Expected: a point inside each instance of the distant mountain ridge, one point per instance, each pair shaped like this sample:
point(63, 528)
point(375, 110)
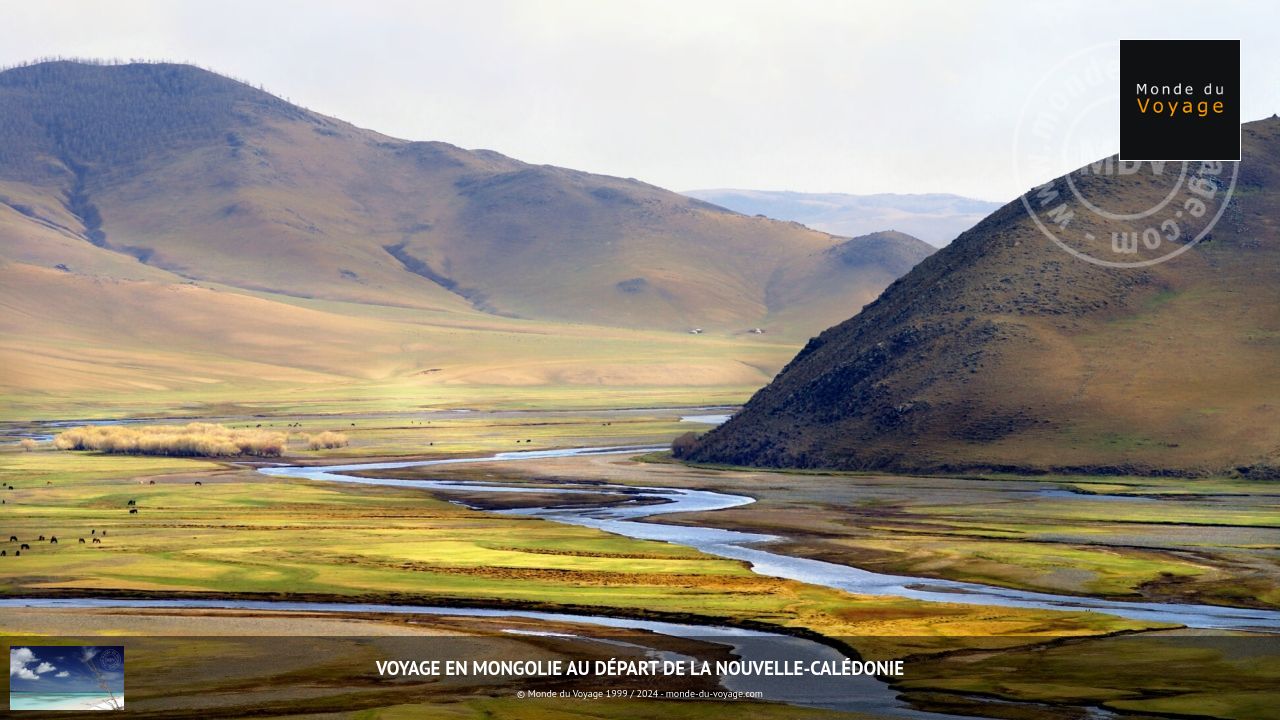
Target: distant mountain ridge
point(936, 218)
point(1004, 352)
point(205, 178)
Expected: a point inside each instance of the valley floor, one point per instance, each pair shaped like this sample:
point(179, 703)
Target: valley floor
point(243, 534)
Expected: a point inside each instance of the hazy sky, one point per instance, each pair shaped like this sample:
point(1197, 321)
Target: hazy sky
point(812, 96)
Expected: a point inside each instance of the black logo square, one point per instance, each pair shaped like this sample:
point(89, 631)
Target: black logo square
point(1179, 99)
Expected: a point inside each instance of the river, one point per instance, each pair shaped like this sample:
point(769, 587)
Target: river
point(865, 694)
point(626, 519)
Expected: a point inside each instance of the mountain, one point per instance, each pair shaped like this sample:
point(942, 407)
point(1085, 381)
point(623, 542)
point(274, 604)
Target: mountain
point(935, 218)
point(169, 172)
point(855, 271)
point(1004, 352)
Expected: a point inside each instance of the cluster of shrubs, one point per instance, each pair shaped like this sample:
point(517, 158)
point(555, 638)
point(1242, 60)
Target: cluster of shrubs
point(682, 446)
point(191, 440)
point(326, 441)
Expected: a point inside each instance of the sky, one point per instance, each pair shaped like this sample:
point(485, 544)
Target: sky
point(813, 96)
point(62, 669)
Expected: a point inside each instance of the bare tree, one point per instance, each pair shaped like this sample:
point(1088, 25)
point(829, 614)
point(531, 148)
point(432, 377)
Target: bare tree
point(88, 656)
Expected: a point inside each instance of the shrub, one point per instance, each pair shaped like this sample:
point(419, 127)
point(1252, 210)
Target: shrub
point(27, 444)
point(191, 440)
point(681, 446)
point(326, 441)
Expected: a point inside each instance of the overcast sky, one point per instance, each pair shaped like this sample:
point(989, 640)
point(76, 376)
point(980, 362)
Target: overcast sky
point(810, 96)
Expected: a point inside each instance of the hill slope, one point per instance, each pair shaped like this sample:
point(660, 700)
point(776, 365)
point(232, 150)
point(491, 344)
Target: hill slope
point(172, 172)
point(936, 218)
point(1003, 351)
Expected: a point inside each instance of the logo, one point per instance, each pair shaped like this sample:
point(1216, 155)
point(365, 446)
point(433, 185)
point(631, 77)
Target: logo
point(1180, 99)
point(1113, 212)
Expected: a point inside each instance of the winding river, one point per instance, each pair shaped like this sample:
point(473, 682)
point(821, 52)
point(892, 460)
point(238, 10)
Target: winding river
point(626, 519)
point(635, 520)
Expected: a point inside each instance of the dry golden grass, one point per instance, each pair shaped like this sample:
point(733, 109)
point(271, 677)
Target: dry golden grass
point(191, 440)
point(327, 441)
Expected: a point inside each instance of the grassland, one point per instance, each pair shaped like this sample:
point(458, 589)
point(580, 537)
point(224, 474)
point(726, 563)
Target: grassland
point(1215, 540)
point(1160, 675)
point(302, 664)
point(125, 347)
point(240, 533)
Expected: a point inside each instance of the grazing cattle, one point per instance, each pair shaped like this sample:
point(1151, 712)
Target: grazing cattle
point(81, 541)
point(17, 553)
point(133, 511)
point(24, 546)
point(53, 540)
point(3, 553)
point(104, 533)
point(48, 482)
point(96, 541)
point(13, 538)
point(93, 532)
point(133, 502)
point(10, 487)
point(199, 483)
point(41, 538)
point(152, 482)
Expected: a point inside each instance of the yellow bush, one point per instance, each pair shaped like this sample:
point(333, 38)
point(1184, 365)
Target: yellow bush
point(327, 440)
point(191, 440)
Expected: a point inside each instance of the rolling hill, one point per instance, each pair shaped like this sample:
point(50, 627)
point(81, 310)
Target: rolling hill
point(936, 218)
point(164, 228)
point(206, 178)
point(1003, 352)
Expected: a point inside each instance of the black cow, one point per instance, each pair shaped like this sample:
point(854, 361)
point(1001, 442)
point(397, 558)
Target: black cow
point(41, 538)
point(152, 482)
point(13, 538)
point(132, 503)
point(24, 546)
point(3, 553)
point(96, 541)
point(81, 541)
point(199, 483)
point(53, 540)
point(133, 511)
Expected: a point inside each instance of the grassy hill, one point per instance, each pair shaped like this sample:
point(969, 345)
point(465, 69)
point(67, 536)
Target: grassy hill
point(166, 229)
point(209, 179)
point(1002, 351)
